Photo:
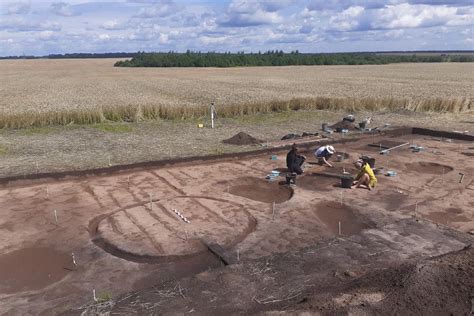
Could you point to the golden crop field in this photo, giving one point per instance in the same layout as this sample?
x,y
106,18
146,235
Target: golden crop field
x,y
49,92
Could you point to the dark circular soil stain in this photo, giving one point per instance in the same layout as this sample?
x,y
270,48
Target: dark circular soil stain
x,y
428,167
261,190
446,218
32,269
314,182
331,213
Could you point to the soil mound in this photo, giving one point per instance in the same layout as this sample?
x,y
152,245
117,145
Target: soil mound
x,y
242,139
442,285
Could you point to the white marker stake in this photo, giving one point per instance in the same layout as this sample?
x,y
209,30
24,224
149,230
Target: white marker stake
x,y
273,210
47,192
73,259
238,255
416,207
341,198
339,228
93,293
186,233
56,216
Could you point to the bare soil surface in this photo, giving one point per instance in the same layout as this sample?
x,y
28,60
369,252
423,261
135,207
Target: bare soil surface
x,y
261,190
125,226
32,269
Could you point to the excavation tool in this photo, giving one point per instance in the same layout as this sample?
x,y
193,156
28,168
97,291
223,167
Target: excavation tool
x,y
462,177
386,151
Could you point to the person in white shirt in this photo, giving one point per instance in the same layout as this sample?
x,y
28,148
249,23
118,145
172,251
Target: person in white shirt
x,y
323,154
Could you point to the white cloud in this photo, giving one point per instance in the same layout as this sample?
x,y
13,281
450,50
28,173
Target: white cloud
x,y
113,25
63,9
48,35
244,13
58,26
19,7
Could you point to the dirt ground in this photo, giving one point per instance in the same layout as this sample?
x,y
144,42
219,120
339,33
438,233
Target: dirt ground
x,y
141,236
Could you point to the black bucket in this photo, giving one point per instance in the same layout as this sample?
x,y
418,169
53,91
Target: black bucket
x,y
346,182
324,126
362,125
369,160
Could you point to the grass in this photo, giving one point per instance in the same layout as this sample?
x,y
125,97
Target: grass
x,y
36,131
3,150
113,128
104,297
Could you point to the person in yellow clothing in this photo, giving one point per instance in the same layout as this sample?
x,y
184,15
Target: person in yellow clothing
x,y
365,177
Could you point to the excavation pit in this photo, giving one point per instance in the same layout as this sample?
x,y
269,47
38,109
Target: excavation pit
x,y
32,269
333,213
429,167
318,182
227,202
156,233
261,190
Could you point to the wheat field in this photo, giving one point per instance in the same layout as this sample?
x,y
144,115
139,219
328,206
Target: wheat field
x,y
57,92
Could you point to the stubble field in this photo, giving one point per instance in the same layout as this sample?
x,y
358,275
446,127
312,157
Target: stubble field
x,y
58,92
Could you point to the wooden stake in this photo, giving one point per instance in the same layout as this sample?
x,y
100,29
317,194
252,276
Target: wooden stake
x,y
93,294
56,216
416,207
238,255
341,198
128,181
339,228
47,192
273,210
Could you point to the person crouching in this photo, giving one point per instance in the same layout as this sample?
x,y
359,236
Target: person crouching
x,y
323,154
294,161
365,177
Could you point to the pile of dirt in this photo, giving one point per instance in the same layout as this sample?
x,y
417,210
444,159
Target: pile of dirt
x,y
242,139
344,124
438,286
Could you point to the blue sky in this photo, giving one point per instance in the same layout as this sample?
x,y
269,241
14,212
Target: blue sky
x,y
40,27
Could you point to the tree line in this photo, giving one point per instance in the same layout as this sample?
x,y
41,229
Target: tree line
x,y
278,58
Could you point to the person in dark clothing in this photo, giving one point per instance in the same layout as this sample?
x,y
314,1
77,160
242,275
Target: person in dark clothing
x,y
294,161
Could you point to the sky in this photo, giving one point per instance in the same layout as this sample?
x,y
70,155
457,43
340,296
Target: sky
x,y
41,27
